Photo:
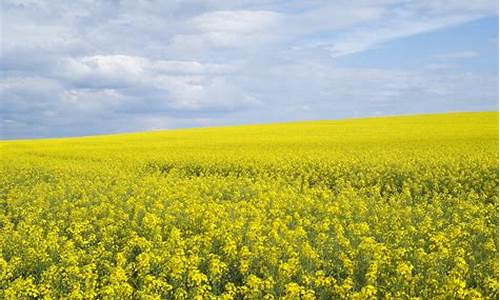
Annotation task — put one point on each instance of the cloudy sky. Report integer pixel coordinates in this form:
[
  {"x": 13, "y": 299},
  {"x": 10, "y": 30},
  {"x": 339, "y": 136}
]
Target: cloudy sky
[{"x": 89, "y": 67}]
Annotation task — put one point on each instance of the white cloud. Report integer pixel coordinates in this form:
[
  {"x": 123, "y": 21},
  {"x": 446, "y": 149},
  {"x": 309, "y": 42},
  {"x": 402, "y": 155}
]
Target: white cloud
[
  {"x": 362, "y": 40},
  {"x": 104, "y": 71},
  {"x": 238, "y": 28},
  {"x": 91, "y": 100},
  {"x": 459, "y": 55},
  {"x": 484, "y": 7},
  {"x": 179, "y": 85},
  {"x": 236, "y": 21},
  {"x": 382, "y": 23}
]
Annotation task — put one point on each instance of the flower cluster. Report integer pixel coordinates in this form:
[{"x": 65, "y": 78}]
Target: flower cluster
[{"x": 393, "y": 208}]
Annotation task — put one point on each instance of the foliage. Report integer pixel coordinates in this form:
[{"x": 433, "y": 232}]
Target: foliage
[{"x": 399, "y": 207}]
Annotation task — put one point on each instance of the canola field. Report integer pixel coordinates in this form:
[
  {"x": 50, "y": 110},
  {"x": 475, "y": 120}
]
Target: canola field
[{"x": 379, "y": 208}]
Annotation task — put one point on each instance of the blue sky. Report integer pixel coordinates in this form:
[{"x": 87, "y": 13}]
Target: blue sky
[{"x": 73, "y": 68}]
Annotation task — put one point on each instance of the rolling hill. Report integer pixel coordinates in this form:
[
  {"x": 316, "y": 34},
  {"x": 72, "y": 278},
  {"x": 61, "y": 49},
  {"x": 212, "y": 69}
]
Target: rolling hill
[{"x": 393, "y": 207}]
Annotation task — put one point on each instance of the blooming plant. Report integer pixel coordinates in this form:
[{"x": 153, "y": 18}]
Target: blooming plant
[{"x": 395, "y": 208}]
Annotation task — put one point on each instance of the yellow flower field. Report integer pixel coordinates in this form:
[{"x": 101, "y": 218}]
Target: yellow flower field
[{"x": 391, "y": 208}]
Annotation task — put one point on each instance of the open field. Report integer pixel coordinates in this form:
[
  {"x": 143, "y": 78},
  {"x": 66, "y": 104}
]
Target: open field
[{"x": 394, "y": 207}]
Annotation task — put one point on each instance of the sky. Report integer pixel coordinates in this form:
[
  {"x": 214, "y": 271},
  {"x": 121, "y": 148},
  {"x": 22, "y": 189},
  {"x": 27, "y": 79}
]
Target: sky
[{"x": 85, "y": 67}]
